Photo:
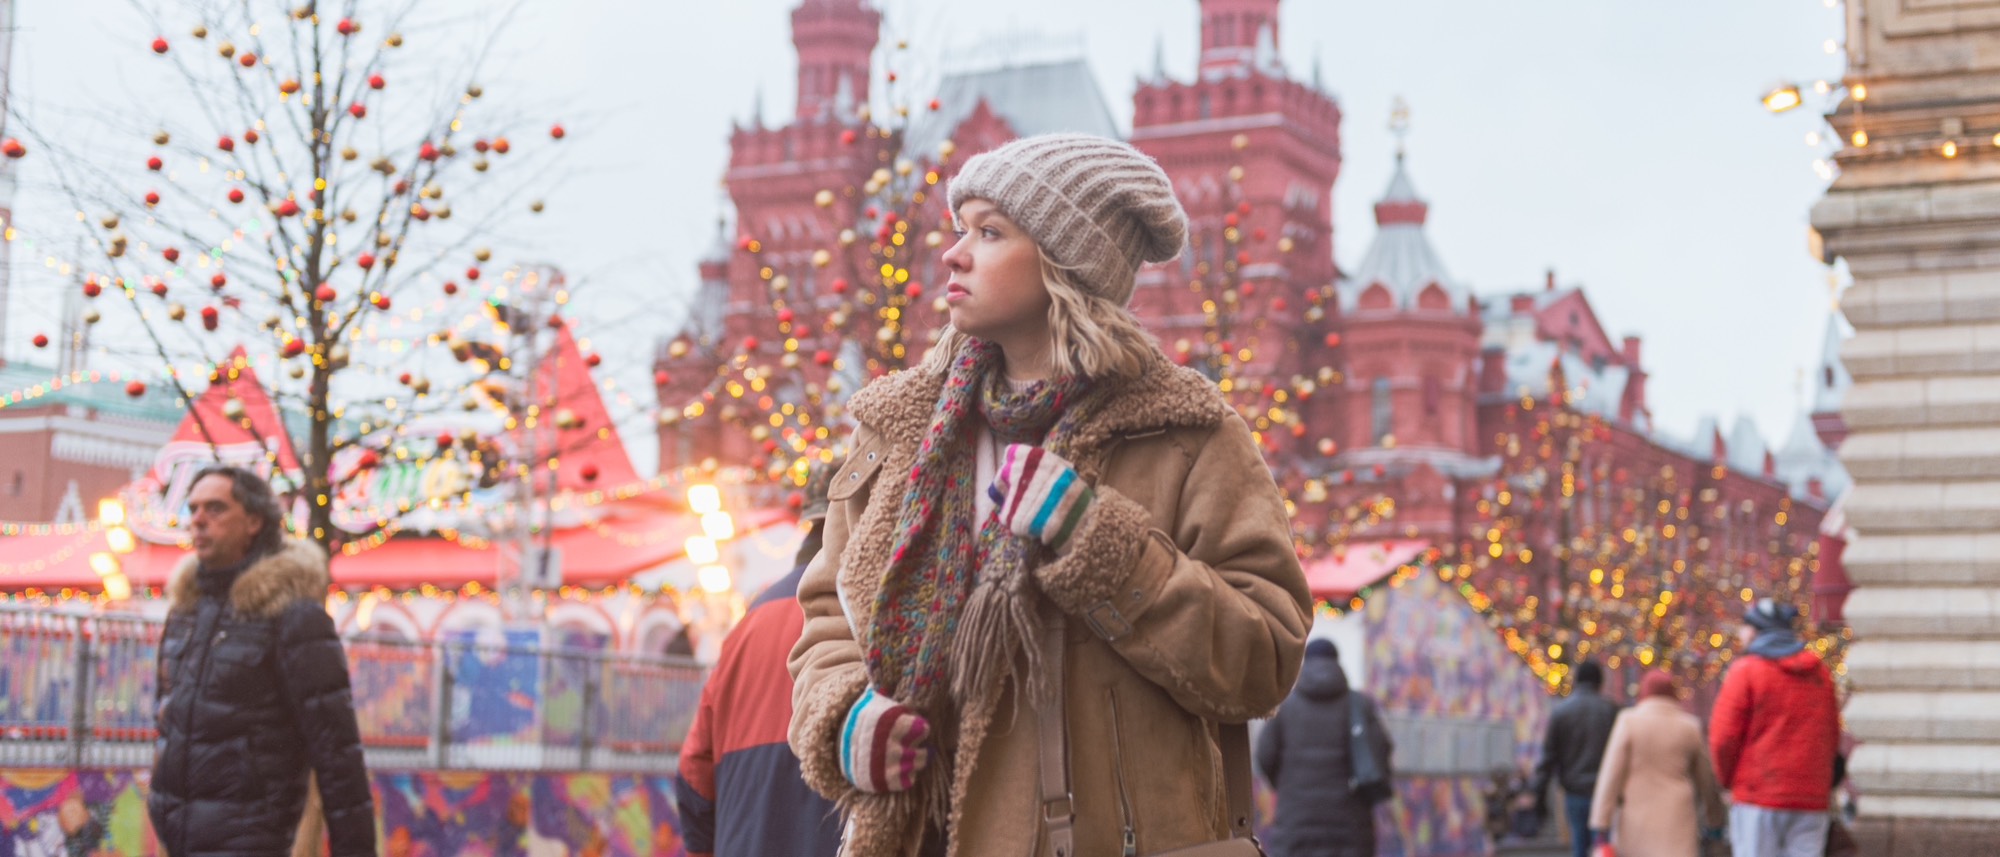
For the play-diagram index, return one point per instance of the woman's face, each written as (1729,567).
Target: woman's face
(996,291)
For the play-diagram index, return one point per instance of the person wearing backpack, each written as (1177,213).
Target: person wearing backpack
(1326,755)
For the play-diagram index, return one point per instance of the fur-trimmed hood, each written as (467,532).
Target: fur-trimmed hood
(1164,396)
(296,571)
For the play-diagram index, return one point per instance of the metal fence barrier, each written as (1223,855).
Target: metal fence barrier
(78,691)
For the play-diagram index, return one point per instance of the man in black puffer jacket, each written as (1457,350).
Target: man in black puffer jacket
(1306,752)
(253,691)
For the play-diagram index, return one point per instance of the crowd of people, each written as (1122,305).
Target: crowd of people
(1042,593)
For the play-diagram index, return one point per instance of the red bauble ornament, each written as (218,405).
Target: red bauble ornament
(365,260)
(1243,208)
(450,288)
(420,213)
(661,378)
(294,347)
(289,87)
(1229,219)
(848,137)
(839,287)
(376,81)
(171,254)
(480,145)
(91,289)
(555,322)
(823,357)
(210,317)
(381,302)
(785,316)
(1249,290)
(403,379)
(472,273)
(152,197)
(401,187)
(160,45)
(1333,340)
(325,294)
(914,290)
(557,132)
(135,389)
(750,343)
(936,104)
(367,460)
(226,144)
(154,164)
(12,148)
(444,441)
(250,136)
(235,194)
(249,60)
(427,151)
(743,242)
(357,110)
(288,208)
(500,146)
(589,473)
(218,281)
(1242,259)
(1278,304)
(159,287)
(1379,471)
(592,360)
(347,27)
(41,340)
(1259,234)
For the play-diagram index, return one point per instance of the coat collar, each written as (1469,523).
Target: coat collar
(901,406)
(297,571)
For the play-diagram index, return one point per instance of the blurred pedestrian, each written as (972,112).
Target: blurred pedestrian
(1656,792)
(1308,753)
(1573,750)
(1775,733)
(1048,539)
(254,709)
(739,790)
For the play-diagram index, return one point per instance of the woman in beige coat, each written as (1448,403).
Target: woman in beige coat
(1656,776)
(1046,482)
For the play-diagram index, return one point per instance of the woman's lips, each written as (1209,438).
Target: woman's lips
(953,293)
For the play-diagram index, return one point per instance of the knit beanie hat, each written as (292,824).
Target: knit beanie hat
(1770,614)
(1098,207)
(1657,683)
(1321,647)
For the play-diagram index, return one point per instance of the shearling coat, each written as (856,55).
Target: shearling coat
(253,704)
(1655,778)
(1185,606)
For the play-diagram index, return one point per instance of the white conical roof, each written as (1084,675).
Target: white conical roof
(1401,258)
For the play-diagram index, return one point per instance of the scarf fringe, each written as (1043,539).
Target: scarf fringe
(893,824)
(998,645)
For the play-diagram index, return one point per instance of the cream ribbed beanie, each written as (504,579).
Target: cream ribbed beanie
(1096,206)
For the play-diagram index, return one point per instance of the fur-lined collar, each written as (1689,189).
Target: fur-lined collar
(295,572)
(1164,396)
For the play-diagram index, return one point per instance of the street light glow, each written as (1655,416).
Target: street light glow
(714,579)
(718,526)
(701,550)
(704,499)
(110,513)
(1783,98)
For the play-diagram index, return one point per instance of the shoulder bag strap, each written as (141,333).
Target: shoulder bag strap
(1058,806)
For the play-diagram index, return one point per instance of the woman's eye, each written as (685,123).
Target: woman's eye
(989,232)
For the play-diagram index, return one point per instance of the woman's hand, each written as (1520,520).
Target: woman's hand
(882,744)
(1038,494)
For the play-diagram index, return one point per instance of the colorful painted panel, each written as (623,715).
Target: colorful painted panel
(54,813)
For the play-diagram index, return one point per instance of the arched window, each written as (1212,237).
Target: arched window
(1384,411)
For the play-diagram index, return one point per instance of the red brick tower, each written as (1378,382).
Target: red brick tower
(1254,155)
(775,176)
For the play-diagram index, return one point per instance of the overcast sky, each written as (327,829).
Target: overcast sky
(1620,143)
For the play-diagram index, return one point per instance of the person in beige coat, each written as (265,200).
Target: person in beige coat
(1046,471)
(1656,779)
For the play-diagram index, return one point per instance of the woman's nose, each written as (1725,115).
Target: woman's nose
(955,257)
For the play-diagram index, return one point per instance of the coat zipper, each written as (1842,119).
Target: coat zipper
(1118,768)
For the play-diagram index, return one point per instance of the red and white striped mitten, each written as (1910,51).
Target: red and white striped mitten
(1036,493)
(882,744)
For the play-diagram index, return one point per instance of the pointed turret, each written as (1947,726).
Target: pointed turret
(1233,31)
(1401,271)
(834,39)
(1830,386)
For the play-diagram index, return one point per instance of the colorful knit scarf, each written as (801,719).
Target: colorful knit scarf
(955,616)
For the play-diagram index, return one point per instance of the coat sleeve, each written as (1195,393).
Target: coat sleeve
(694,784)
(1611,774)
(1216,611)
(314,671)
(1271,748)
(1729,722)
(828,673)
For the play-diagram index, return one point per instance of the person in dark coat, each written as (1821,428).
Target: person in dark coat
(254,707)
(739,790)
(1573,750)
(1307,755)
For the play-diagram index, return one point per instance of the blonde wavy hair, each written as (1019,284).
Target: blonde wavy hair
(1088,336)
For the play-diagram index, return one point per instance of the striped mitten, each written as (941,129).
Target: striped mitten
(882,744)
(1036,493)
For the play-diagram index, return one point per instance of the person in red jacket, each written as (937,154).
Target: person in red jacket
(739,792)
(1774,734)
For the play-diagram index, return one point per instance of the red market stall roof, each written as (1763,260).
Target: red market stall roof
(636,536)
(1342,574)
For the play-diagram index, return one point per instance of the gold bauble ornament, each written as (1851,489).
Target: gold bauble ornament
(91,317)
(176,312)
(161,138)
(946,149)
(1236,174)
(226,49)
(347,153)
(110,221)
(482,254)
(233,408)
(481,165)
(823,199)
(432,191)
(821,258)
(395,40)
(790,360)
(382,239)
(347,214)
(297,371)
(443,212)
(934,239)
(200,32)
(847,237)
(536,206)
(475,91)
